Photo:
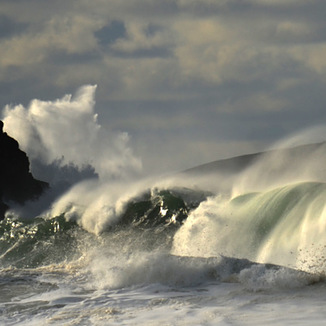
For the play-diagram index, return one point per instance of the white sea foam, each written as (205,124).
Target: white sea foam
(93,204)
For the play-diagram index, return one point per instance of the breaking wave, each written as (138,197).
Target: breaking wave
(263,222)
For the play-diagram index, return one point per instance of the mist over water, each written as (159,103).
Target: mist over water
(279,166)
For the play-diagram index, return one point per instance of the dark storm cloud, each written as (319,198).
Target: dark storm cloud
(110,33)
(116,30)
(307,10)
(64,58)
(153,52)
(9,27)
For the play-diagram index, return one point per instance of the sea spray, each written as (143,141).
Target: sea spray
(286,162)
(279,168)
(66,131)
(100,207)
(110,249)
(233,221)
(66,146)
(94,205)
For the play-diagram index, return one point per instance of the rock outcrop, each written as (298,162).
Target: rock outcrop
(16,181)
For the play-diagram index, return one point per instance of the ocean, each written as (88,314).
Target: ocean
(172,256)
(105,246)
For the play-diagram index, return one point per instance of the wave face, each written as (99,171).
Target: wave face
(48,240)
(37,242)
(284,226)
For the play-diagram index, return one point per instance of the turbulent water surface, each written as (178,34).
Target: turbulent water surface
(257,258)
(103,247)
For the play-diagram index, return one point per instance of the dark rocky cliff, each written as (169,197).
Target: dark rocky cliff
(16,182)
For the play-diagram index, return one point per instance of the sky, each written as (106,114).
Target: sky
(188,81)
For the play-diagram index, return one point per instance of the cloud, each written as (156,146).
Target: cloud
(110,33)
(69,34)
(312,56)
(9,27)
(229,46)
(202,60)
(256,102)
(143,40)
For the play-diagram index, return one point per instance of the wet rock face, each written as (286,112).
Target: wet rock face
(16,182)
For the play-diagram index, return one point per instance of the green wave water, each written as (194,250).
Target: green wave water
(35,242)
(285,226)
(26,243)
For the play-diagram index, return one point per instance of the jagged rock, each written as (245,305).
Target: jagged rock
(16,182)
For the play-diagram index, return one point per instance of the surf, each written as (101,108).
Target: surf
(110,243)
(265,207)
(284,226)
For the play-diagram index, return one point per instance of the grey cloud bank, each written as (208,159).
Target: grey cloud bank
(190,81)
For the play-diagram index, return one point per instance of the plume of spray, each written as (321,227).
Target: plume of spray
(92,171)
(66,131)
(298,158)
(67,147)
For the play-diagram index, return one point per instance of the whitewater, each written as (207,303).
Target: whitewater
(109,245)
